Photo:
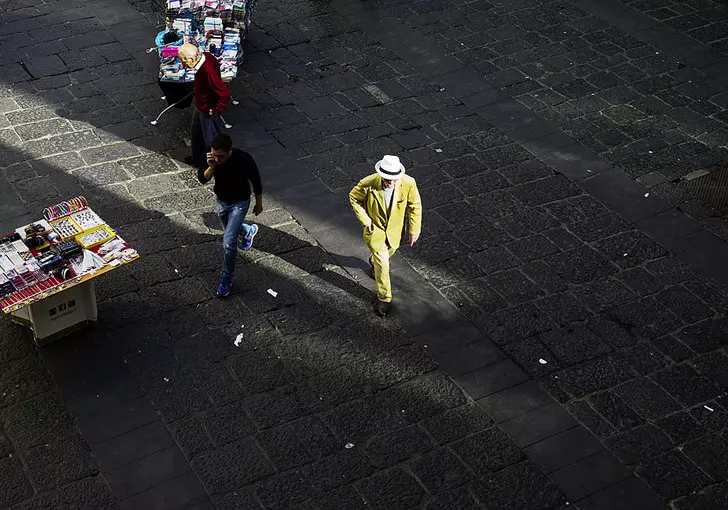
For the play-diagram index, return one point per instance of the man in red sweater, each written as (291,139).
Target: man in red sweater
(211,98)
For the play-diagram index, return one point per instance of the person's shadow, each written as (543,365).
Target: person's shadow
(289,250)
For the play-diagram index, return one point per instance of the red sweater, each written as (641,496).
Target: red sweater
(211,93)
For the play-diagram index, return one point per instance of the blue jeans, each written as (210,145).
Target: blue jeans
(232,217)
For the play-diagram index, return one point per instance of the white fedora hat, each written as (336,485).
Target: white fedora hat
(390,168)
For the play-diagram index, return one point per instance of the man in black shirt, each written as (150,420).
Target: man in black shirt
(234,171)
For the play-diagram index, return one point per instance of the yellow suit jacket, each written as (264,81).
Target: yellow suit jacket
(367,199)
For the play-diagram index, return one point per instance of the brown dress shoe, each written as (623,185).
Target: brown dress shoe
(382,309)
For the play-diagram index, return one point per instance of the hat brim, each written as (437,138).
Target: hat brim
(386,174)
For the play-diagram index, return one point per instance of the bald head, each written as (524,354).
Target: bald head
(189,54)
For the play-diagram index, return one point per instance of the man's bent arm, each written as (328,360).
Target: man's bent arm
(414,206)
(204,175)
(357,197)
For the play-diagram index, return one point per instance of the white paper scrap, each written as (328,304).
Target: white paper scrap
(272,293)
(542,361)
(238,339)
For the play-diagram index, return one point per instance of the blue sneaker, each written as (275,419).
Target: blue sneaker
(224,288)
(248,241)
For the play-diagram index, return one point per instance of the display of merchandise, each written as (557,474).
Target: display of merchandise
(87,219)
(66,228)
(216,27)
(96,237)
(47,256)
(65,208)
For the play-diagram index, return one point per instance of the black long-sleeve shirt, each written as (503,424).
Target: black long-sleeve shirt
(234,177)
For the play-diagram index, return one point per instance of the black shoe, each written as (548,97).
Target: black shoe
(382,309)
(370,273)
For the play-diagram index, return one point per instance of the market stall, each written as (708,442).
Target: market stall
(47,268)
(217,27)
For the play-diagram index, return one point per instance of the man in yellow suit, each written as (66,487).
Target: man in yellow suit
(381,202)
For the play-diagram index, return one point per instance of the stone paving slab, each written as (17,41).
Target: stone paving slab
(525,262)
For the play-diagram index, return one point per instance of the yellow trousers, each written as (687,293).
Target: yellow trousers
(380,261)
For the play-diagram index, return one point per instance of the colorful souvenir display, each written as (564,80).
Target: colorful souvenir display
(217,27)
(70,246)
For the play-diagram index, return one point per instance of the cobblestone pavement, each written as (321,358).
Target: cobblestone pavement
(559,332)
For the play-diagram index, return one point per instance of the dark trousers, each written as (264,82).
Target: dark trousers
(204,128)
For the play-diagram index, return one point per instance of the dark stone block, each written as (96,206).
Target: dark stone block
(22,379)
(520,487)
(285,490)
(581,265)
(491,379)
(495,259)
(574,345)
(456,423)
(361,420)
(686,385)
(528,353)
(672,348)
(317,437)
(488,451)
(684,304)
(514,323)
(36,421)
(470,357)
(710,453)
(342,497)
(181,492)
(672,475)
(629,249)
(546,190)
(640,281)
(713,497)
(482,295)
(390,449)
(260,371)
(526,171)
(231,466)
(453,338)
(284,450)
(514,401)
(514,286)
(594,375)
(147,472)
(636,445)
(16,486)
(133,445)
(590,418)
(343,468)
(532,248)
(90,492)
(645,318)
(458,499)
(630,494)
(614,409)
(590,475)
(429,395)
(604,294)
(391,489)
(681,427)
(713,366)
(705,336)
(647,398)
(563,449)
(538,424)
(283,404)
(545,276)
(440,471)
